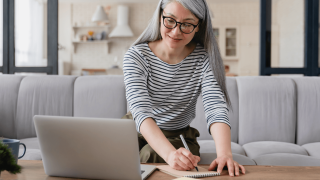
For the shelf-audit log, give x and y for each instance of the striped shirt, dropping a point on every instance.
(168, 93)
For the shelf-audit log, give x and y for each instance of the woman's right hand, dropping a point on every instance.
(182, 159)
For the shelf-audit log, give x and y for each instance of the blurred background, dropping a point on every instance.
(89, 42)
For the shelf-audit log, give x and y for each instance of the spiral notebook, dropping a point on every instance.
(193, 173)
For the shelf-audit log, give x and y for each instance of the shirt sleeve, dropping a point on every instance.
(215, 107)
(135, 79)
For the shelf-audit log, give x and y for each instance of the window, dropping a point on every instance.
(30, 45)
(301, 54)
(231, 41)
(1, 35)
(216, 34)
(287, 34)
(30, 33)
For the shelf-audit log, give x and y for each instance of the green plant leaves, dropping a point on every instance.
(7, 161)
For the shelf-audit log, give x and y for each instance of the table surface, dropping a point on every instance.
(33, 170)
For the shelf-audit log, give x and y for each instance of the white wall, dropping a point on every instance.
(93, 55)
(243, 15)
(287, 32)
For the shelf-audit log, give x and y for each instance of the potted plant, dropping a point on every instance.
(7, 161)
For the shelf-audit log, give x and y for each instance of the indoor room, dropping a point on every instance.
(164, 89)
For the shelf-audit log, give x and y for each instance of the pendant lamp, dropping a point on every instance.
(99, 15)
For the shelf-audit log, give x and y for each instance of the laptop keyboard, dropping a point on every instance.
(142, 171)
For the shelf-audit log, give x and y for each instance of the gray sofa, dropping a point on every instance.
(275, 120)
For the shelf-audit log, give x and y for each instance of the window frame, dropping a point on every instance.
(8, 40)
(311, 35)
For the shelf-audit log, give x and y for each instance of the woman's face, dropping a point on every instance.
(174, 38)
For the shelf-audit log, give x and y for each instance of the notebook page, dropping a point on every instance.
(193, 173)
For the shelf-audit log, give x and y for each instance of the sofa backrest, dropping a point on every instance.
(42, 95)
(308, 110)
(100, 96)
(267, 109)
(264, 108)
(200, 122)
(9, 89)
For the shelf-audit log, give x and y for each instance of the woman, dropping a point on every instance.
(174, 60)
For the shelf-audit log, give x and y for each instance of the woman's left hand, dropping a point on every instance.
(224, 160)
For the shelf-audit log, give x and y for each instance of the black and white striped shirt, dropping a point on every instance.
(168, 92)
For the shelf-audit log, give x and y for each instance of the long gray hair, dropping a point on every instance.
(204, 36)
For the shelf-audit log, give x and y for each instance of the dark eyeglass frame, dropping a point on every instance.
(194, 26)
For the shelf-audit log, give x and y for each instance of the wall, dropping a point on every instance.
(287, 32)
(244, 16)
(93, 55)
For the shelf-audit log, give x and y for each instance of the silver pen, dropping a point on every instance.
(186, 146)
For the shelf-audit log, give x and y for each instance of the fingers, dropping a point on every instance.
(197, 160)
(233, 167)
(236, 168)
(221, 165)
(213, 165)
(186, 161)
(191, 158)
(181, 165)
(176, 163)
(230, 165)
(181, 160)
(242, 169)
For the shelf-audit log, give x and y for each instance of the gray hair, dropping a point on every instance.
(204, 36)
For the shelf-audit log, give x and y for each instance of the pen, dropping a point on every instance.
(186, 146)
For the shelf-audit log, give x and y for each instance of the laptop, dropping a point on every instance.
(92, 148)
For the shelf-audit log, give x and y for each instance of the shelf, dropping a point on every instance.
(230, 59)
(79, 30)
(87, 28)
(94, 26)
(91, 42)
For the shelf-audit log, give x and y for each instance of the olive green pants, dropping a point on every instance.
(148, 155)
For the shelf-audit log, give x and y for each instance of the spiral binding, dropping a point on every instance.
(203, 175)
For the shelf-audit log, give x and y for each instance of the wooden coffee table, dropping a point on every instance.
(33, 170)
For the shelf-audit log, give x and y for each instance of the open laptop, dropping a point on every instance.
(92, 148)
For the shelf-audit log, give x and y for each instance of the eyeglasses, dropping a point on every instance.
(171, 23)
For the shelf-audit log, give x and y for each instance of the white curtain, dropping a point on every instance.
(1, 32)
(29, 28)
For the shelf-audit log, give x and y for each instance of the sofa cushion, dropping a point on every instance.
(31, 143)
(42, 95)
(308, 106)
(255, 149)
(31, 154)
(285, 159)
(200, 122)
(267, 109)
(207, 158)
(313, 149)
(209, 146)
(33, 149)
(9, 88)
(100, 96)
